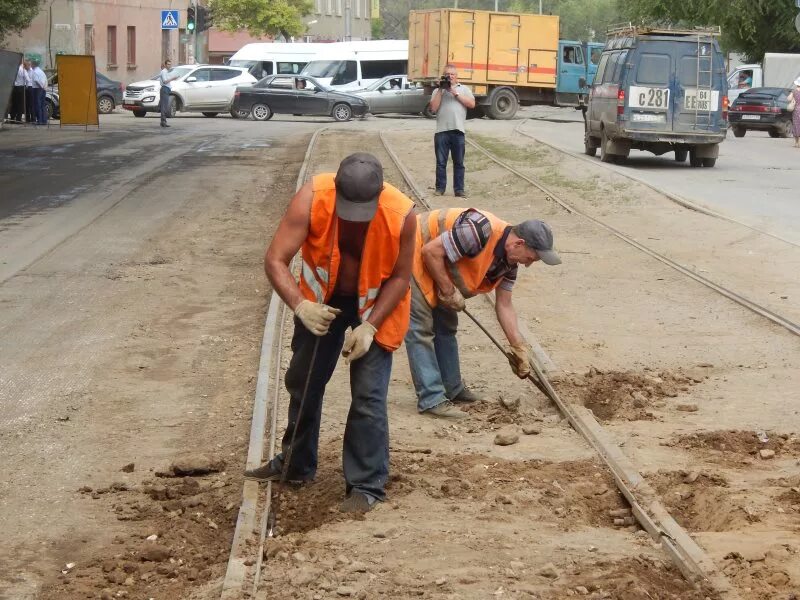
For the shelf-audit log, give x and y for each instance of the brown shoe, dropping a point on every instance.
(446, 410)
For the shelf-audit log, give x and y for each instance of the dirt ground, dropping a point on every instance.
(665, 383)
(692, 387)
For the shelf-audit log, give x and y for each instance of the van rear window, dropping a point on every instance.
(687, 72)
(378, 69)
(653, 69)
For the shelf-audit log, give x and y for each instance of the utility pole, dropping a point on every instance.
(495, 5)
(348, 21)
(197, 37)
(540, 6)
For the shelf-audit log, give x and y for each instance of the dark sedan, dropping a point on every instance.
(762, 109)
(295, 95)
(109, 95)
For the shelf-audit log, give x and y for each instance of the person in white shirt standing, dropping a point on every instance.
(39, 92)
(29, 115)
(165, 77)
(18, 94)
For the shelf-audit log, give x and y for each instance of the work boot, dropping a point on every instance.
(461, 194)
(446, 410)
(438, 193)
(269, 472)
(467, 395)
(356, 502)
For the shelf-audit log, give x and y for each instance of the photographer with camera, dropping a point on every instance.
(450, 102)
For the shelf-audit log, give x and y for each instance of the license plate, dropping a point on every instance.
(751, 117)
(648, 118)
(647, 97)
(705, 100)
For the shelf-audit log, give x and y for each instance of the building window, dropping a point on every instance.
(131, 45)
(329, 7)
(88, 39)
(166, 50)
(181, 47)
(318, 6)
(111, 43)
(339, 7)
(358, 8)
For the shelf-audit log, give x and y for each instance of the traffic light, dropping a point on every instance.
(190, 19)
(205, 18)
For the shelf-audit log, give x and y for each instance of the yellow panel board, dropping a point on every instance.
(433, 58)
(503, 63)
(416, 45)
(77, 90)
(461, 43)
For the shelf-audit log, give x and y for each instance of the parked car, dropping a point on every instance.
(295, 95)
(762, 109)
(394, 94)
(109, 95)
(207, 89)
(659, 90)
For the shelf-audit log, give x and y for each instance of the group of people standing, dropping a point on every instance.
(28, 95)
(375, 274)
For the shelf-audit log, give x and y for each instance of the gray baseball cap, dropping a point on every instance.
(359, 182)
(537, 235)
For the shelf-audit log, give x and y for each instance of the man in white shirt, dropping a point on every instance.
(29, 114)
(165, 77)
(39, 93)
(18, 94)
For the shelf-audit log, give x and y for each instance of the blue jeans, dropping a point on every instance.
(365, 456)
(454, 143)
(433, 352)
(39, 111)
(163, 102)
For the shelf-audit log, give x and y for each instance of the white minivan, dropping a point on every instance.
(275, 58)
(355, 65)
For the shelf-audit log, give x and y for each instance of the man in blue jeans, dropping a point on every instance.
(165, 78)
(450, 102)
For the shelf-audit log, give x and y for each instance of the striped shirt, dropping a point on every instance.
(469, 235)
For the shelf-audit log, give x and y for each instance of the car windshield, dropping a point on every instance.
(179, 71)
(322, 68)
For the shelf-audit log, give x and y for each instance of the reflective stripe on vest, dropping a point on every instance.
(321, 257)
(468, 274)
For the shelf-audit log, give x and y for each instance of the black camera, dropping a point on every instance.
(445, 82)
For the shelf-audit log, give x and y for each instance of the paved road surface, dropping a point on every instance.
(755, 181)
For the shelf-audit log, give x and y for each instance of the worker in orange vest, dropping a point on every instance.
(462, 253)
(356, 235)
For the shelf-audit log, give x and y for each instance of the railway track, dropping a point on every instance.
(246, 568)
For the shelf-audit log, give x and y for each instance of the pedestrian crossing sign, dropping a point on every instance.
(169, 19)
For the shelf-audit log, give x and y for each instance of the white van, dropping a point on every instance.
(355, 65)
(276, 58)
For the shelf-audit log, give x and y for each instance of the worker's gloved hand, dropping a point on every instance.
(357, 342)
(519, 357)
(315, 316)
(454, 301)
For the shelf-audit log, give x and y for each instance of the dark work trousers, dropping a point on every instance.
(365, 455)
(163, 100)
(39, 113)
(17, 102)
(453, 143)
(30, 115)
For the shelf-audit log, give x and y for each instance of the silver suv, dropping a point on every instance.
(206, 89)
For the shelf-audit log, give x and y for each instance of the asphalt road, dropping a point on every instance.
(755, 179)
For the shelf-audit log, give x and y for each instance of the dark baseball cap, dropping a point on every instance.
(359, 182)
(537, 235)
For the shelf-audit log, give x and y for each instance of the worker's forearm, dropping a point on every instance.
(283, 282)
(507, 317)
(436, 100)
(434, 263)
(392, 291)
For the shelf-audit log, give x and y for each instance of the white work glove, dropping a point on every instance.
(315, 316)
(454, 301)
(357, 342)
(520, 360)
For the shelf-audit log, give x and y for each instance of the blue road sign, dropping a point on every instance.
(169, 19)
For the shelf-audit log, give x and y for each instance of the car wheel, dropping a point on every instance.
(139, 113)
(49, 109)
(681, 154)
(105, 105)
(783, 130)
(210, 115)
(738, 131)
(709, 162)
(605, 155)
(695, 160)
(589, 145)
(173, 107)
(342, 112)
(504, 105)
(261, 112)
(428, 113)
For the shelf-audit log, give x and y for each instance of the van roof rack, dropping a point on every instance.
(629, 29)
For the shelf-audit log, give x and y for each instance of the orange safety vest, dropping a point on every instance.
(320, 254)
(468, 274)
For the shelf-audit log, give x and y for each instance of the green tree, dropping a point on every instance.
(376, 26)
(16, 15)
(262, 17)
(751, 28)
(584, 20)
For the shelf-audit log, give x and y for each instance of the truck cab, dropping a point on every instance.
(576, 67)
(658, 90)
(742, 78)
